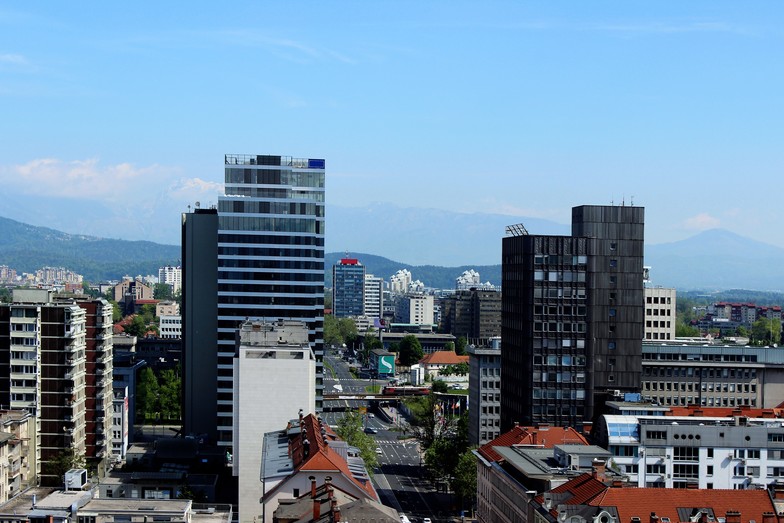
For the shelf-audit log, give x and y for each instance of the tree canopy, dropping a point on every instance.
(410, 351)
(350, 428)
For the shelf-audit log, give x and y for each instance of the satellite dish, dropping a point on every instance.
(198, 204)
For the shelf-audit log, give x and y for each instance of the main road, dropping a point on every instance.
(400, 476)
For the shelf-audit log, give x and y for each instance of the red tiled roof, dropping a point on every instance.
(583, 489)
(322, 457)
(443, 357)
(726, 412)
(547, 437)
(641, 502)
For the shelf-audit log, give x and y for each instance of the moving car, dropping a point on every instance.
(370, 430)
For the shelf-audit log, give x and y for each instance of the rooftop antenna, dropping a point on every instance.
(198, 204)
(632, 200)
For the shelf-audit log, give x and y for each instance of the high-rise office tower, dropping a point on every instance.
(572, 316)
(269, 265)
(348, 288)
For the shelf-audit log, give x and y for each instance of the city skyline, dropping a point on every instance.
(116, 118)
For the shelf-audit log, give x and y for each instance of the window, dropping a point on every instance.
(710, 470)
(613, 263)
(296, 492)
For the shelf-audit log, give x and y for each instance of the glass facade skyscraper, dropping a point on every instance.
(270, 261)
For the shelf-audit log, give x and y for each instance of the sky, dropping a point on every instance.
(114, 117)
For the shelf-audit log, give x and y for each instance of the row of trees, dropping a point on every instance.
(443, 440)
(351, 429)
(158, 397)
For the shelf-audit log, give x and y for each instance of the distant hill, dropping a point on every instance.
(27, 248)
(710, 261)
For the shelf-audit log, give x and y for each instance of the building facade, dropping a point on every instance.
(56, 363)
(712, 375)
(660, 307)
(269, 262)
(348, 288)
(373, 304)
(484, 394)
(274, 360)
(473, 313)
(171, 276)
(415, 309)
(572, 318)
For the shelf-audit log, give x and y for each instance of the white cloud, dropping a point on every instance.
(701, 222)
(195, 189)
(13, 59)
(87, 179)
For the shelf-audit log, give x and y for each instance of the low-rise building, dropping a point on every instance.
(707, 449)
(306, 449)
(712, 375)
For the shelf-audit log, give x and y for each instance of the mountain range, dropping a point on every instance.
(712, 260)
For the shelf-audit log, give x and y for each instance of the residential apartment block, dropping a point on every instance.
(56, 363)
(472, 313)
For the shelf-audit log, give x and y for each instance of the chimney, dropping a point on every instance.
(778, 491)
(768, 517)
(733, 516)
(335, 511)
(654, 518)
(301, 414)
(599, 469)
(316, 509)
(312, 486)
(533, 438)
(703, 516)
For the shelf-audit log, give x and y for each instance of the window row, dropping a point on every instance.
(559, 293)
(564, 360)
(559, 394)
(558, 326)
(554, 259)
(257, 223)
(560, 310)
(687, 386)
(559, 377)
(684, 372)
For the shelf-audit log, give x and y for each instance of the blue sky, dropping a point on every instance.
(114, 117)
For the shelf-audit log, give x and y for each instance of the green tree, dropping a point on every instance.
(684, 330)
(449, 346)
(439, 386)
(464, 482)
(5, 295)
(137, 327)
(742, 331)
(460, 346)
(410, 351)
(462, 368)
(147, 394)
(148, 313)
(765, 331)
(170, 394)
(62, 463)
(162, 291)
(350, 428)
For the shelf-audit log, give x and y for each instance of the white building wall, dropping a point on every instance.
(659, 314)
(374, 296)
(272, 383)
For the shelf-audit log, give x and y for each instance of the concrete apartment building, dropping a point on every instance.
(373, 304)
(56, 363)
(712, 375)
(259, 255)
(271, 358)
(660, 307)
(484, 393)
(414, 309)
(170, 327)
(573, 316)
(171, 276)
(17, 452)
(472, 313)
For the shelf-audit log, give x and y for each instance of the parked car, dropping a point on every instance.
(370, 430)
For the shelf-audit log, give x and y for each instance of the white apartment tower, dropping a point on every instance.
(374, 296)
(171, 276)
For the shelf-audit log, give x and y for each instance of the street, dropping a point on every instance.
(400, 478)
